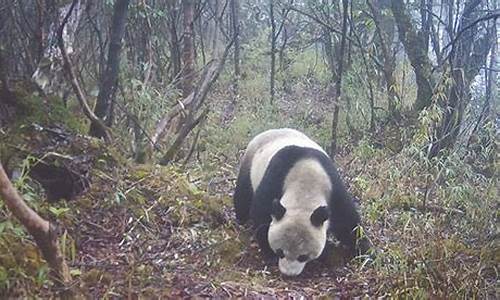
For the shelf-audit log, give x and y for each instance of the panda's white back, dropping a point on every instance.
(306, 187)
(265, 145)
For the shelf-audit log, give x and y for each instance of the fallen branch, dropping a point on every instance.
(42, 231)
(186, 129)
(162, 124)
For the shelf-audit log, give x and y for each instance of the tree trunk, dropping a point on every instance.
(369, 77)
(273, 49)
(188, 48)
(330, 53)
(146, 52)
(175, 55)
(338, 83)
(465, 60)
(384, 26)
(235, 22)
(492, 88)
(109, 78)
(426, 20)
(412, 41)
(283, 59)
(488, 111)
(4, 80)
(449, 128)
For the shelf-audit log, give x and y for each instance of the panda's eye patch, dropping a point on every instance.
(280, 253)
(303, 258)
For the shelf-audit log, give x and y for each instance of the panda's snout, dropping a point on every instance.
(290, 267)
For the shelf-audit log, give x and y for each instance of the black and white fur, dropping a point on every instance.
(290, 189)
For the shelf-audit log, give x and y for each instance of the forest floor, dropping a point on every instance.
(152, 231)
(170, 239)
(148, 231)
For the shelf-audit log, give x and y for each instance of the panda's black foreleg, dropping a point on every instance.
(348, 236)
(344, 225)
(242, 198)
(261, 235)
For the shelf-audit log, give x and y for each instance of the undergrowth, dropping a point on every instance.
(145, 230)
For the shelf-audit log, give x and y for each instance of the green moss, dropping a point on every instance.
(140, 172)
(94, 276)
(33, 108)
(230, 251)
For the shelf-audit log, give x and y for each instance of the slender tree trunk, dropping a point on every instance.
(175, 55)
(188, 48)
(3, 75)
(70, 73)
(201, 30)
(384, 26)
(217, 19)
(273, 49)
(228, 112)
(235, 22)
(369, 75)
(338, 83)
(492, 90)
(283, 59)
(40, 31)
(426, 20)
(147, 47)
(330, 53)
(209, 77)
(109, 79)
(488, 109)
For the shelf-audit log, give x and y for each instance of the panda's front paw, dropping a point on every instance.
(268, 255)
(269, 258)
(363, 246)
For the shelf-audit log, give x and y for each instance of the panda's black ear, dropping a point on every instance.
(320, 215)
(278, 210)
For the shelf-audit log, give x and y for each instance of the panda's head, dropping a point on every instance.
(297, 236)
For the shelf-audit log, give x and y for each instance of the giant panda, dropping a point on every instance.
(289, 188)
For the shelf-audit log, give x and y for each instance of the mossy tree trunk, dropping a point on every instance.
(413, 42)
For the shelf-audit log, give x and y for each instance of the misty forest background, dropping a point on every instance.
(122, 124)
